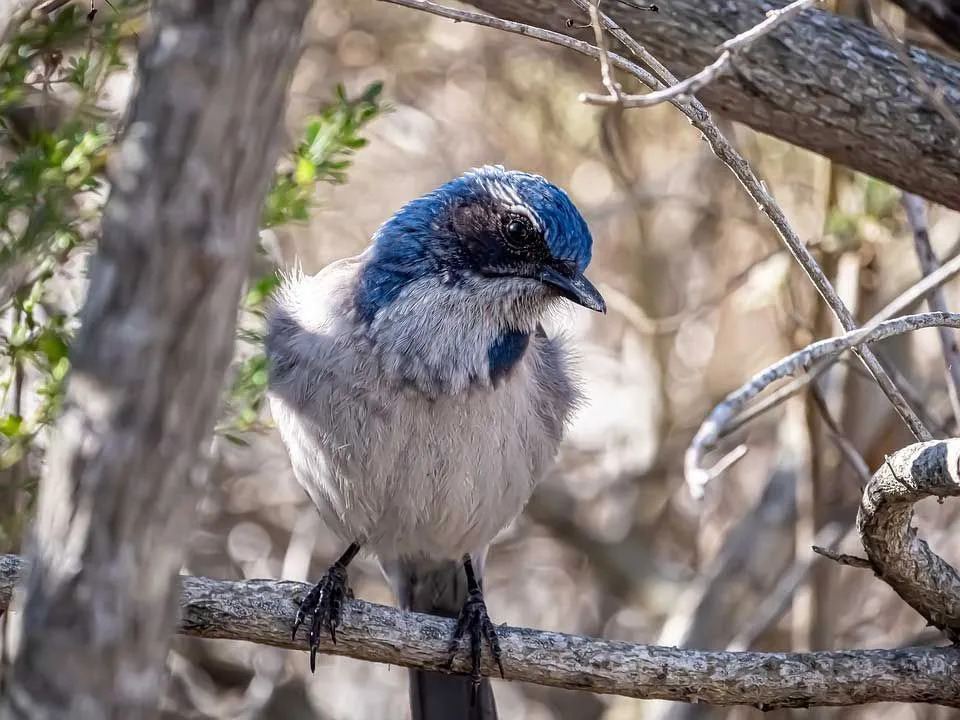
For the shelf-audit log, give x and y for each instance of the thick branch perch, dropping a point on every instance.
(821, 82)
(262, 611)
(899, 557)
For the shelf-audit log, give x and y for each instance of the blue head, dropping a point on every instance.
(488, 223)
(490, 250)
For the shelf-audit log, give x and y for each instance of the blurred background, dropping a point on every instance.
(701, 296)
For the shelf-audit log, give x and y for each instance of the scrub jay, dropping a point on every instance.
(420, 399)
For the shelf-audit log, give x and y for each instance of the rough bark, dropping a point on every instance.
(262, 611)
(821, 82)
(157, 335)
(900, 558)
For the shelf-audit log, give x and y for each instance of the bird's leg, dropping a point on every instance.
(325, 601)
(474, 620)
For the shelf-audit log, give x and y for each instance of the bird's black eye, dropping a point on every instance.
(517, 230)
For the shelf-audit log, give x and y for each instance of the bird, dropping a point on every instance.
(420, 399)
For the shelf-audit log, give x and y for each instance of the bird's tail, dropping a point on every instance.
(440, 588)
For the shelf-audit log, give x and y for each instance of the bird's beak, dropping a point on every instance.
(574, 287)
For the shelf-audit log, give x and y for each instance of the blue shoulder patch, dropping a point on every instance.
(505, 352)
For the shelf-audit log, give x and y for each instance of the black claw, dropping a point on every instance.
(474, 620)
(325, 603)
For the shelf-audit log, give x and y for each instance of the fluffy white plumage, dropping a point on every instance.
(396, 430)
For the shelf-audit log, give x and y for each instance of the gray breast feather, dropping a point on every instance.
(407, 472)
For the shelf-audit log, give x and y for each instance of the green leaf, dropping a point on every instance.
(306, 171)
(53, 346)
(10, 425)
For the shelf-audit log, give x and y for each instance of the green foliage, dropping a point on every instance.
(55, 137)
(330, 139)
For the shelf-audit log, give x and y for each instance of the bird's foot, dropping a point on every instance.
(475, 622)
(325, 602)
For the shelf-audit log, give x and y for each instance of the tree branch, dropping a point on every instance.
(822, 82)
(900, 558)
(807, 362)
(689, 86)
(262, 611)
(916, 212)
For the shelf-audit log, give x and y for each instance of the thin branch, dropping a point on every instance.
(850, 454)
(899, 557)
(757, 190)
(806, 361)
(692, 84)
(917, 217)
(606, 73)
(262, 611)
(843, 558)
(901, 303)
(919, 290)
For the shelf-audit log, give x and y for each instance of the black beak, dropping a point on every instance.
(574, 287)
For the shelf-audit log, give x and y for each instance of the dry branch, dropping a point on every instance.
(807, 362)
(915, 209)
(711, 72)
(898, 556)
(738, 165)
(262, 611)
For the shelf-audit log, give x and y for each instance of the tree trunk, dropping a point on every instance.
(821, 81)
(124, 468)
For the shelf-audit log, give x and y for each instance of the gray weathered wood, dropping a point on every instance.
(898, 555)
(262, 611)
(822, 82)
(119, 491)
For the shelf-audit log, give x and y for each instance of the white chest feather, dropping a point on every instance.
(406, 472)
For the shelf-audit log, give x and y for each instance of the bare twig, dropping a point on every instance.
(711, 72)
(722, 148)
(531, 31)
(902, 302)
(606, 73)
(262, 611)
(846, 448)
(916, 215)
(919, 290)
(843, 558)
(817, 354)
